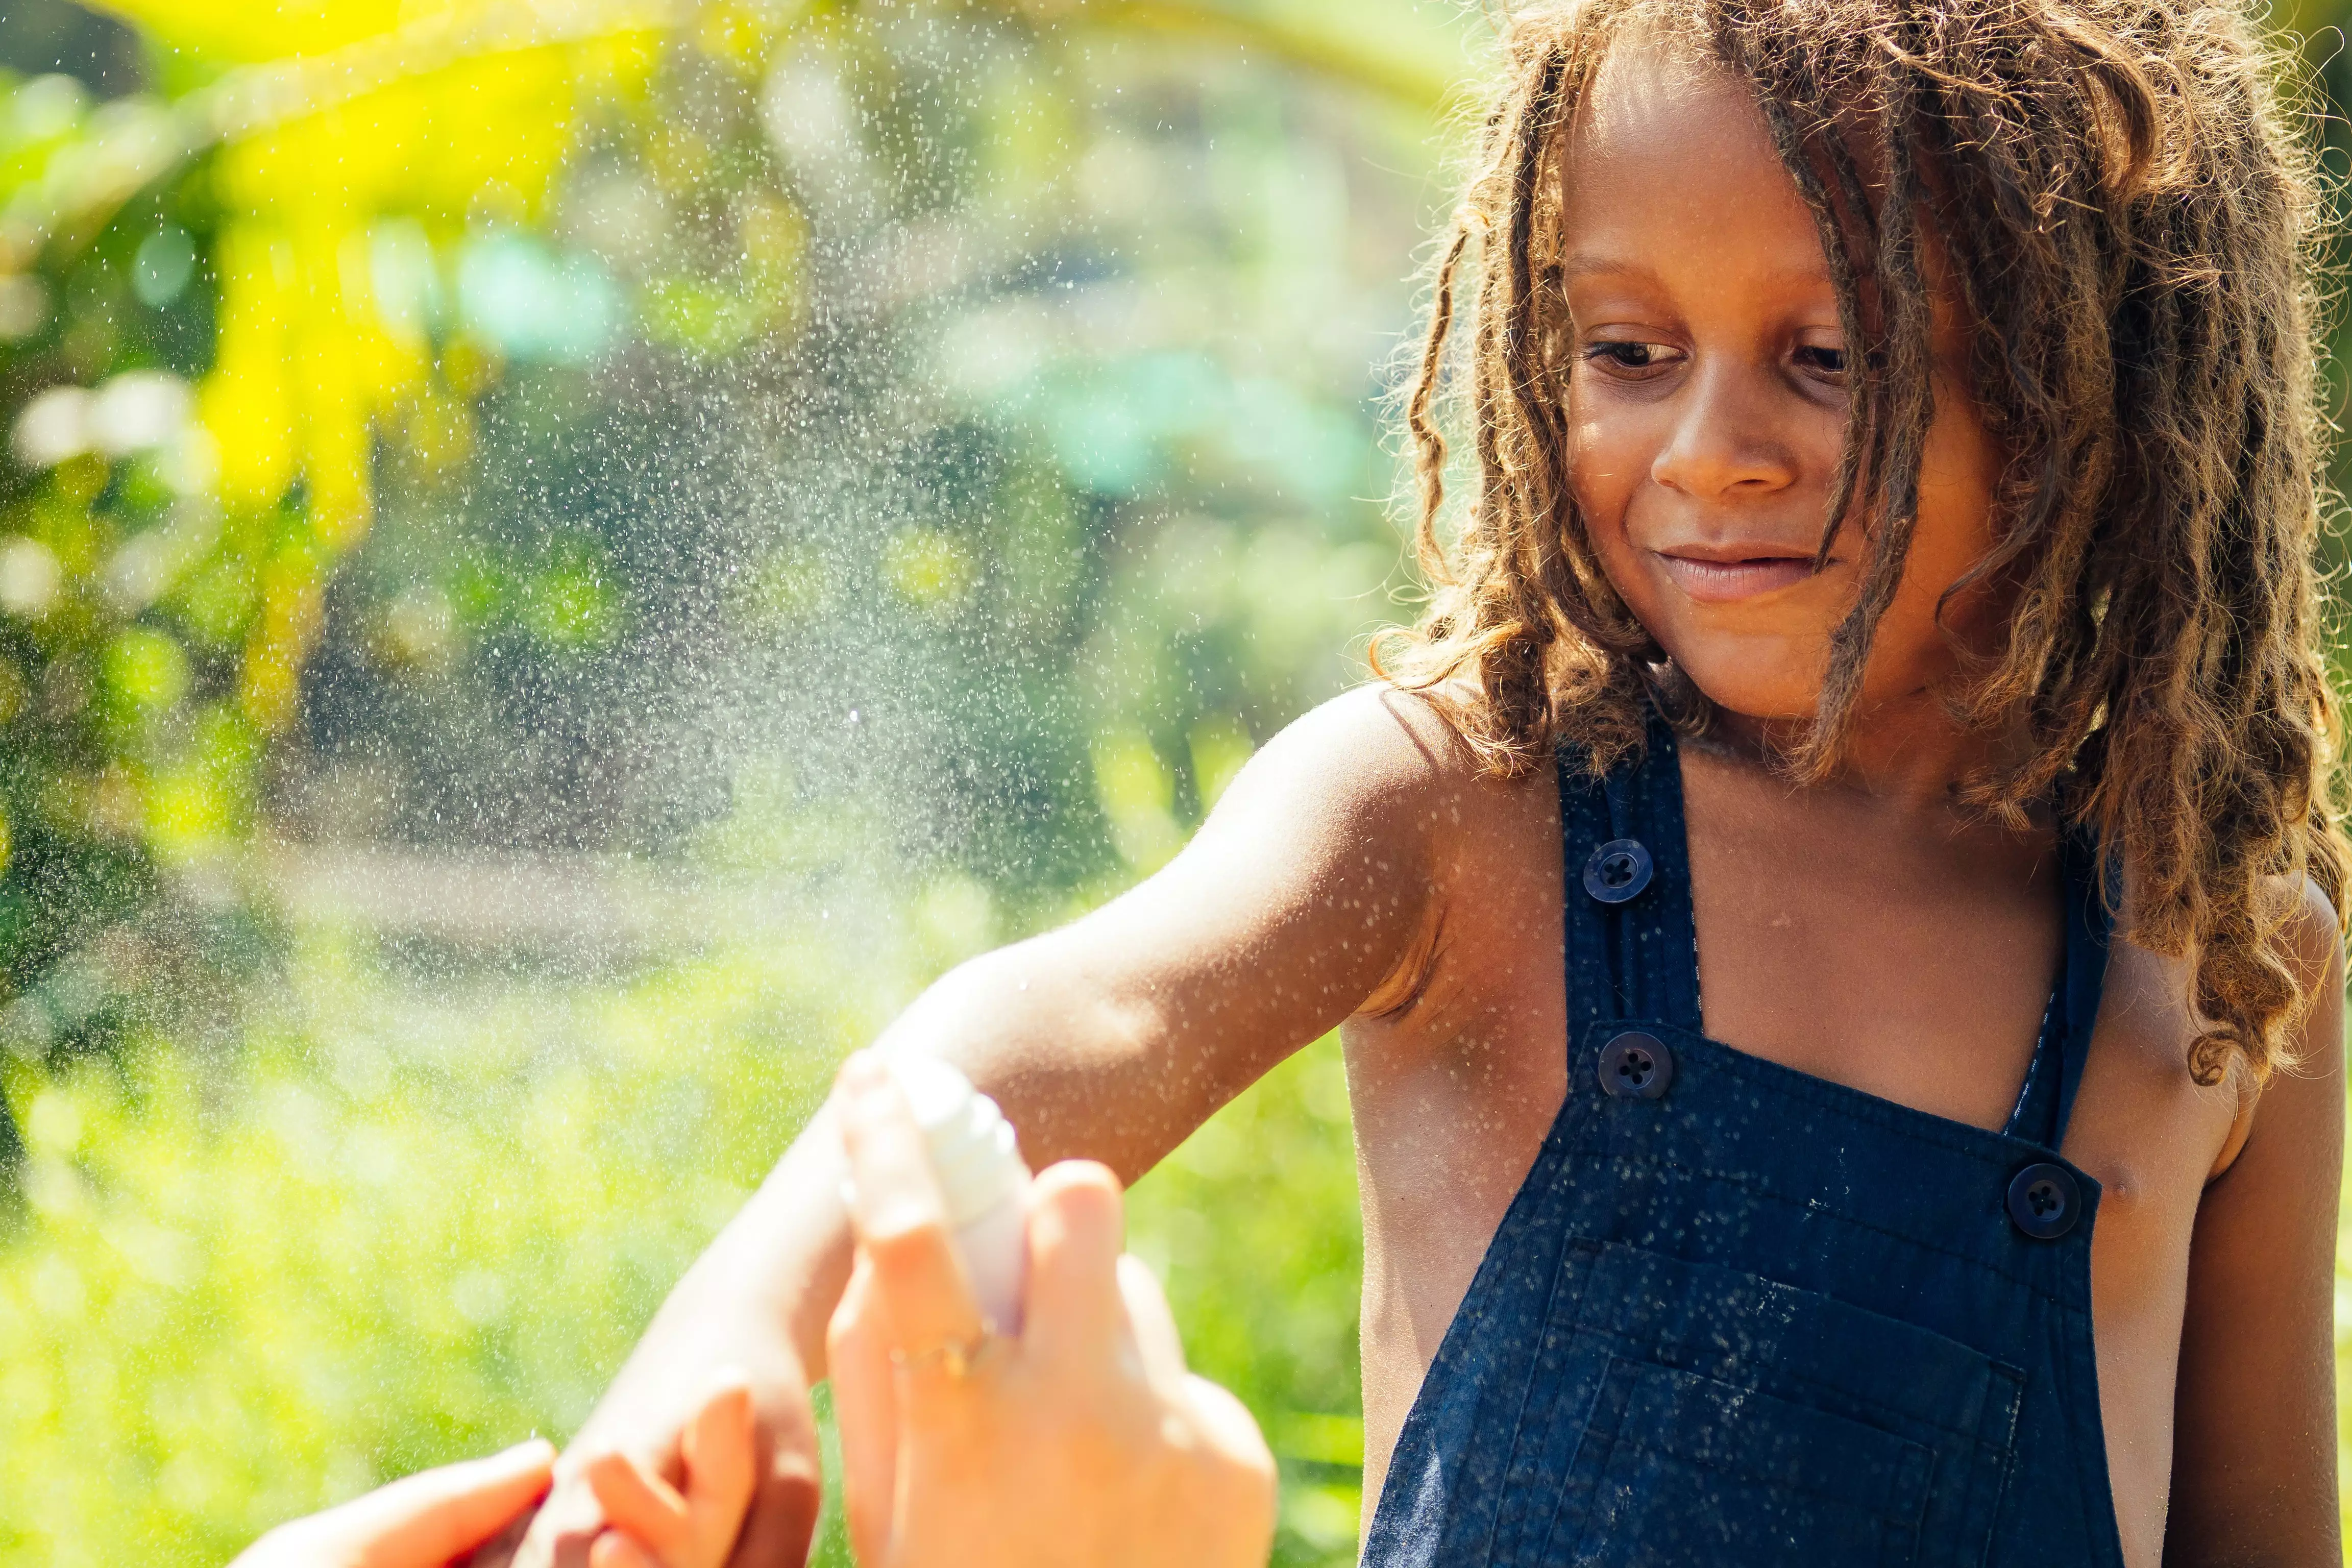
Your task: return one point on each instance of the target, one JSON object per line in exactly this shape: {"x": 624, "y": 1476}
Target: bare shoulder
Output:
{"x": 1379, "y": 803}
{"x": 2313, "y": 938}
{"x": 1375, "y": 755}
{"x": 2306, "y": 1092}
{"x": 2313, "y": 935}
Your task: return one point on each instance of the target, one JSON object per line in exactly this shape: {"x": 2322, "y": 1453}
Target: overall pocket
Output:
{"x": 1677, "y": 1470}
{"x": 1725, "y": 1417}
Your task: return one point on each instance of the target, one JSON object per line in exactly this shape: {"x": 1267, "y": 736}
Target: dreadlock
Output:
{"x": 2130, "y": 216}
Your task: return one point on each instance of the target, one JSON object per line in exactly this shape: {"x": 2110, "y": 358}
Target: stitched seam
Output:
{"x": 2007, "y": 1468}
{"x": 2034, "y": 1066}
{"x": 1924, "y": 1126}
{"x": 1783, "y": 1373}
{"x": 1527, "y": 1389}
{"x": 1804, "y": 1206}
{"x": 1636, "y": 1441}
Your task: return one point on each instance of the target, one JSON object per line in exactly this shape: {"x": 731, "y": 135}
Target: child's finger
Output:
{"x": 866, "y": 1411}
{"x": 901, "y": 1220}
{"x": 424, "y": 1520}
{"x": 1075, "y": 1315}
{"x": 718, "y": 1473}
{"x": 635, "y": 1500}
{"x": 616, "y": 1550}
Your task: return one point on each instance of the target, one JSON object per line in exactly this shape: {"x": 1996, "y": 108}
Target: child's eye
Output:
{"x": 1634, "y": 361}
{"x": 1821, "y": 359}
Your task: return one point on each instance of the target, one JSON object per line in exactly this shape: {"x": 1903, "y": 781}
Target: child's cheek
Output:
{"x": 1764, "y": 662}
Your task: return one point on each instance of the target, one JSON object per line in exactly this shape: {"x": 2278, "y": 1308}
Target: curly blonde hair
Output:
{"x": 2128, "y": 205}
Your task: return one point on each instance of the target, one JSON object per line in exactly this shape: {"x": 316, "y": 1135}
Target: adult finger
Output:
{"x": 1228, "y": 1425}
{"x": 865, "y": 1412}
{"x": 1239, "y": 1509}
{"x": 424, "y": 1520}
{"x": 1157, "y": 1343}
{"x": 1075, "y": 1315}
{"x": 901, "y": 1219}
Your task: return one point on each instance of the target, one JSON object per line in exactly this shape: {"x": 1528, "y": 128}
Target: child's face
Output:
{"x": 1707, "y": 403}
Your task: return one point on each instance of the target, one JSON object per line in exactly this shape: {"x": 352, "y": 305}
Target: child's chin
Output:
{"x": 1747, "y": 683}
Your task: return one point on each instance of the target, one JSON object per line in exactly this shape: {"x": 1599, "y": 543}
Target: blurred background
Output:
{"x": 557, "y": 562}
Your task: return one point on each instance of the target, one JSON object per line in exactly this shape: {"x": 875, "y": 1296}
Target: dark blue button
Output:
{"x": 2044, "y": 1201}
{"x": 1618, "y": 871}
{"x": 1635, "y": 1066}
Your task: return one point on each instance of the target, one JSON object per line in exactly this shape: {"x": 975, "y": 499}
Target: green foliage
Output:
{"x": 923, "y": 443}
{"x": 395, "y": 1227}
{"x": 355, "y": 363}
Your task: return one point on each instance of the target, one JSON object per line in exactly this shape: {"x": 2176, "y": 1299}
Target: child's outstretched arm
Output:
{"x": 2254, "y": 1436}
{"x": 1110, "y": 1040}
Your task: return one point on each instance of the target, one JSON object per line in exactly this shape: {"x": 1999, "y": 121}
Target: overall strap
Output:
{"x": 2092, "y": 886}
{"x": 1631, "y": 949}
{"x": 2046, "y": 1104}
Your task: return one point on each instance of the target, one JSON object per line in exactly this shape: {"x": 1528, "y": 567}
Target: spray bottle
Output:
{"x": 978, "y": 1169}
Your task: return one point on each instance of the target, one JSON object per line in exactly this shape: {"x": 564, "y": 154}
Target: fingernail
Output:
{"x": 890, "y": 1189}
{"x": 861, "y": 1075}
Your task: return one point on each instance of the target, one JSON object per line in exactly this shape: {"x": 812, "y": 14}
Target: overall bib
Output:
{"x": 1737, "y": 1314}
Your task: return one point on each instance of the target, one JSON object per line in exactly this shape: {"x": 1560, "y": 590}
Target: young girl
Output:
{"x": 1834, "y": 915}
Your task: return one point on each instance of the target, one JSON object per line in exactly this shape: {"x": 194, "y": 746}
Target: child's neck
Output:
{"x": 1907, "y": 753}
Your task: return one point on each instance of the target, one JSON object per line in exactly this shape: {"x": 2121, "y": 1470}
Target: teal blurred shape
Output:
{"x": 166, "y": 260}
{"x": 1114, "y": 429}
{"x": 535, "y": 303}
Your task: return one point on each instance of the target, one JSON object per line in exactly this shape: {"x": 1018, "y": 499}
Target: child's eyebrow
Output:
{"x": 1579, "y": 265}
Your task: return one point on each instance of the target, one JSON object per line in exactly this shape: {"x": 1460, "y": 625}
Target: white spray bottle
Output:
{"x": 978, "y": 1166}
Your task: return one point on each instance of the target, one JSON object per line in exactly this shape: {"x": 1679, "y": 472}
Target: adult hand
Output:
{"x": 424, "y": 1520}
{"x": 1083, "y": 1443}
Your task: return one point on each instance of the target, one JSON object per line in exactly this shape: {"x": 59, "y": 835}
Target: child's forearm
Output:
{"x": 1077, "y": 1073}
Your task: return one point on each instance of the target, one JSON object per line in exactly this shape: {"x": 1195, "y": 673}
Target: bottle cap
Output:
{"x": 973, "y": 1152}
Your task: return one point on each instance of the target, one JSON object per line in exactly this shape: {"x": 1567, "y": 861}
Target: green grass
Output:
{"x": 386, "y": 1230}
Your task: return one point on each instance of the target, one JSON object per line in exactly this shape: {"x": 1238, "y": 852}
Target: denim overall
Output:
{"x": 1740, "y": 1315}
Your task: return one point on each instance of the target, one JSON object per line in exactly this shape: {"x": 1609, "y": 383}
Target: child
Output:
{"x": 1878, "y": 1096}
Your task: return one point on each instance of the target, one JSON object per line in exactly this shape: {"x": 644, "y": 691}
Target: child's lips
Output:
{"x": 1728, "y": 582}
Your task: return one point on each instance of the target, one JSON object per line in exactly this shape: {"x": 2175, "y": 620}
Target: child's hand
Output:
{"x": 649, "y": 1525}
{"x": 424, "y": 1520}
{"x": 1082, "y": 1444}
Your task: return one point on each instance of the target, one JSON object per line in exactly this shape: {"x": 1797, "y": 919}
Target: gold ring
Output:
{"x": 955, "y": 1357}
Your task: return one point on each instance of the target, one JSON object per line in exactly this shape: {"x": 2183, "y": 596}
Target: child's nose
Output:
{"x": 1725, "y": 437}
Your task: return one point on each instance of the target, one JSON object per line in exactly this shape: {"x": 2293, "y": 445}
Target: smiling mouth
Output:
{"x": 1724, "y": 581}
